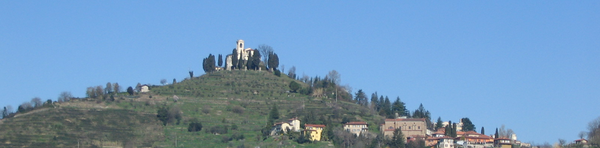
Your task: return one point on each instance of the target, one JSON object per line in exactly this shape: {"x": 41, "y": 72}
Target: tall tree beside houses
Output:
{"x": 374, "y": 103}
{"x": 439, "y": 123}
{"x": 399, "y": 107}
{"x": 467, "y": 125}
{"x": 482, "y": 131}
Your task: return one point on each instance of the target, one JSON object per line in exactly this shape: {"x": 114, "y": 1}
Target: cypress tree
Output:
{"x": 482, "y": 131}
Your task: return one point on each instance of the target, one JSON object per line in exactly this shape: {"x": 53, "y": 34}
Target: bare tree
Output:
{"x": 108, "y": 89}
{"x": 37, "y": 102}
{"x": 292, "y": 72}
{"x": 66, "y": 96}
{"x": 163, "y": 81}
{"x": 90, "y": 92}
{"x": 594, "y": 132}
{"x": 117, "y": 88}
{"x": 562, "y": 142}
{"x": 581, "y": 134}
{"x": 138, "y": 87}
{"x": 25, "y": 106}
{"x": 265, "y": 51}
{"x": 334, "y": 76}
{"x": 99, "y": 91}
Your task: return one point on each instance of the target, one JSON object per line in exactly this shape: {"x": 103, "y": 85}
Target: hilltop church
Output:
{"x": 242, "y": 54}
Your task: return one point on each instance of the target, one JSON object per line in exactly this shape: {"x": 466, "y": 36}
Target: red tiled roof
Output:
{"x": 580, "y": 140}
{"x": 356, "y": 123}
{"x": 408, "y": 119}
{"x": 314, "y": 125}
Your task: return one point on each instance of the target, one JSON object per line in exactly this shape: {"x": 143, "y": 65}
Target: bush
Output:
{"x": 206, "y": 109}
{"x": 194, "y": 126}
{"x": 238, "y": 110}
{"x": 225, "y": 139}
{"x": 218, "y": 129}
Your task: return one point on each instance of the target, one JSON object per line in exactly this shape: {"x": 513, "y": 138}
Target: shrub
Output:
{"x": 238, "y": 110}
{"x": 205, "y": 109}
{"x": 194, "y": 126}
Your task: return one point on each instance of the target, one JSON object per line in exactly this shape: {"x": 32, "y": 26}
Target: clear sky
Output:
{"x": 533, "y": 66}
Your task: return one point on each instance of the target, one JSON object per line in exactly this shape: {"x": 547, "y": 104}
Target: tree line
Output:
{"x": 269, "y": 60}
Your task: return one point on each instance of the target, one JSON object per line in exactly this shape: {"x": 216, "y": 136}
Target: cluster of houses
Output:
{"x": 412, "y": 129}
{"x": 316, "y": 130}
{"x": 416, "y": 129}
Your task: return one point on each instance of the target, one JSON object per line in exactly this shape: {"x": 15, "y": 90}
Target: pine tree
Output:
{"x": 399, "y": 107}
{"x": 467, "y": 125}
{"x": 397, "y": 139}
{"x": 274, "y": 114}
{"x": 439, "y": 123}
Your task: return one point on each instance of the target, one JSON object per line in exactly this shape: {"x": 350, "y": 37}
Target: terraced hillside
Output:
{"x": 232, "y": 107}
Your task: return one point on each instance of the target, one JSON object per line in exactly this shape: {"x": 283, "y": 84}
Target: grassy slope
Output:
{"x": 133, "y": 118}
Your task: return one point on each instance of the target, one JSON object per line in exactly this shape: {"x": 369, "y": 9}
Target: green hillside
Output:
{"x": 220, "y": 100}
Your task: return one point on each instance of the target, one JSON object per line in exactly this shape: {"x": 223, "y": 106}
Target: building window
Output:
{"x": 408, "y": 127}
{"x": 419, "y": 127}
{"x": 390, "y": 127}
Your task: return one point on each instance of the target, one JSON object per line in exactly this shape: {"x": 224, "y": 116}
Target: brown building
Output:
{"x": 413, "y": 127}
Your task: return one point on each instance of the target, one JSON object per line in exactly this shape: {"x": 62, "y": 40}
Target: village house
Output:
{"x": 314, "y": 130}
{"x": 581, "y": 141}
{"x": 292, "y": 124}
{"x": 356, "y": 127}
{"x": 144, "y": 88}
{"x": 410, "y": 127}
{"x": 474, "y": 139}
{"x": 440, "y": 142}
{"x": 502, "y": 143}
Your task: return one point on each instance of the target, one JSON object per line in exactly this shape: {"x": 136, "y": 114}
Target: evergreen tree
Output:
{"x": 381, "y": 102}
{"x": 274, "y": 114}
{"x": 294, "y": 86}
{"x": 163, "y": 114}
{"x": 250, "y": 63}
{"x": 360, "y": 98}
{"x": 496, "y": 135}
{"x": 387, "y": 107}
{"x": 208, "y": 64}
{"x": 399, "y": 107}
{"x": 374, "y": 101}
{"x": 256, "y": 60}
{"x": 273, "y": 62}
{"x": 220, "y": 60}
{"x": 439, "y": 123}
{"x": 234, "y": 59}
{"x": 454, "y": 130}
{"x": 482, "y": 131}
{"x": 467, "y": 125}
{"x": 448, "y": 131}
{"x": 397, "y": 140}
{"x": 4, "y": 113}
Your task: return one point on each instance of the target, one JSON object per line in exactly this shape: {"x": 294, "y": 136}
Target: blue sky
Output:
{"x": 530, "y": 65}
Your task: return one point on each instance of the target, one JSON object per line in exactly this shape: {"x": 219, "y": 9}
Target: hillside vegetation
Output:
{"x": 232, "y": 106}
